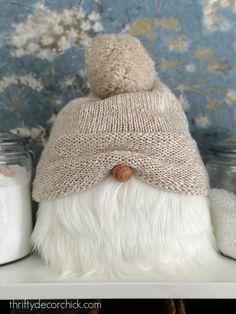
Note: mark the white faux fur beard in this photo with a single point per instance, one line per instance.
(117, 229)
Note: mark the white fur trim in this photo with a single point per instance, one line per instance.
(123, 229)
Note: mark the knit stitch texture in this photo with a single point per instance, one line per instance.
(145, 130)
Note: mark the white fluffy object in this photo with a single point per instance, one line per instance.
(223, 209)
(117, 230)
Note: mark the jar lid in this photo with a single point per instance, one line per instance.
(7, 137)
(227, 146)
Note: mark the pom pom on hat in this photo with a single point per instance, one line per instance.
(119, 64)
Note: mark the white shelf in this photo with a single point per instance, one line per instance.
(30, 278)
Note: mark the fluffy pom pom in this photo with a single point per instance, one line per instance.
(119, 64)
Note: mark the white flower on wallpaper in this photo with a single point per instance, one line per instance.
(47, 33)
(28, 80)
(212, 17)
(230, 97)
(202, 121)
(190, 67)
(36, 133)
(184, 102)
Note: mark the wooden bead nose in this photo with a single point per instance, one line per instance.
(122, 173)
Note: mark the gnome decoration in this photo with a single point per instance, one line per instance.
(121, 185)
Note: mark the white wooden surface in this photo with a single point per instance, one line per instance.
(30, 278)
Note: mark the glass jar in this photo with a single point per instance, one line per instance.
(221, 166)
(15, 198)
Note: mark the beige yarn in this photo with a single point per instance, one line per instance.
(119, 64)
(146, 130)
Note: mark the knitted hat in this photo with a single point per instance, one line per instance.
(132, 119)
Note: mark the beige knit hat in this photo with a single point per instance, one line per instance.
(140, 124)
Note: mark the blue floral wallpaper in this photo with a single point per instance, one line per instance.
(42, 57)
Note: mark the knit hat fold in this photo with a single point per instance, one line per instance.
(147, 131)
